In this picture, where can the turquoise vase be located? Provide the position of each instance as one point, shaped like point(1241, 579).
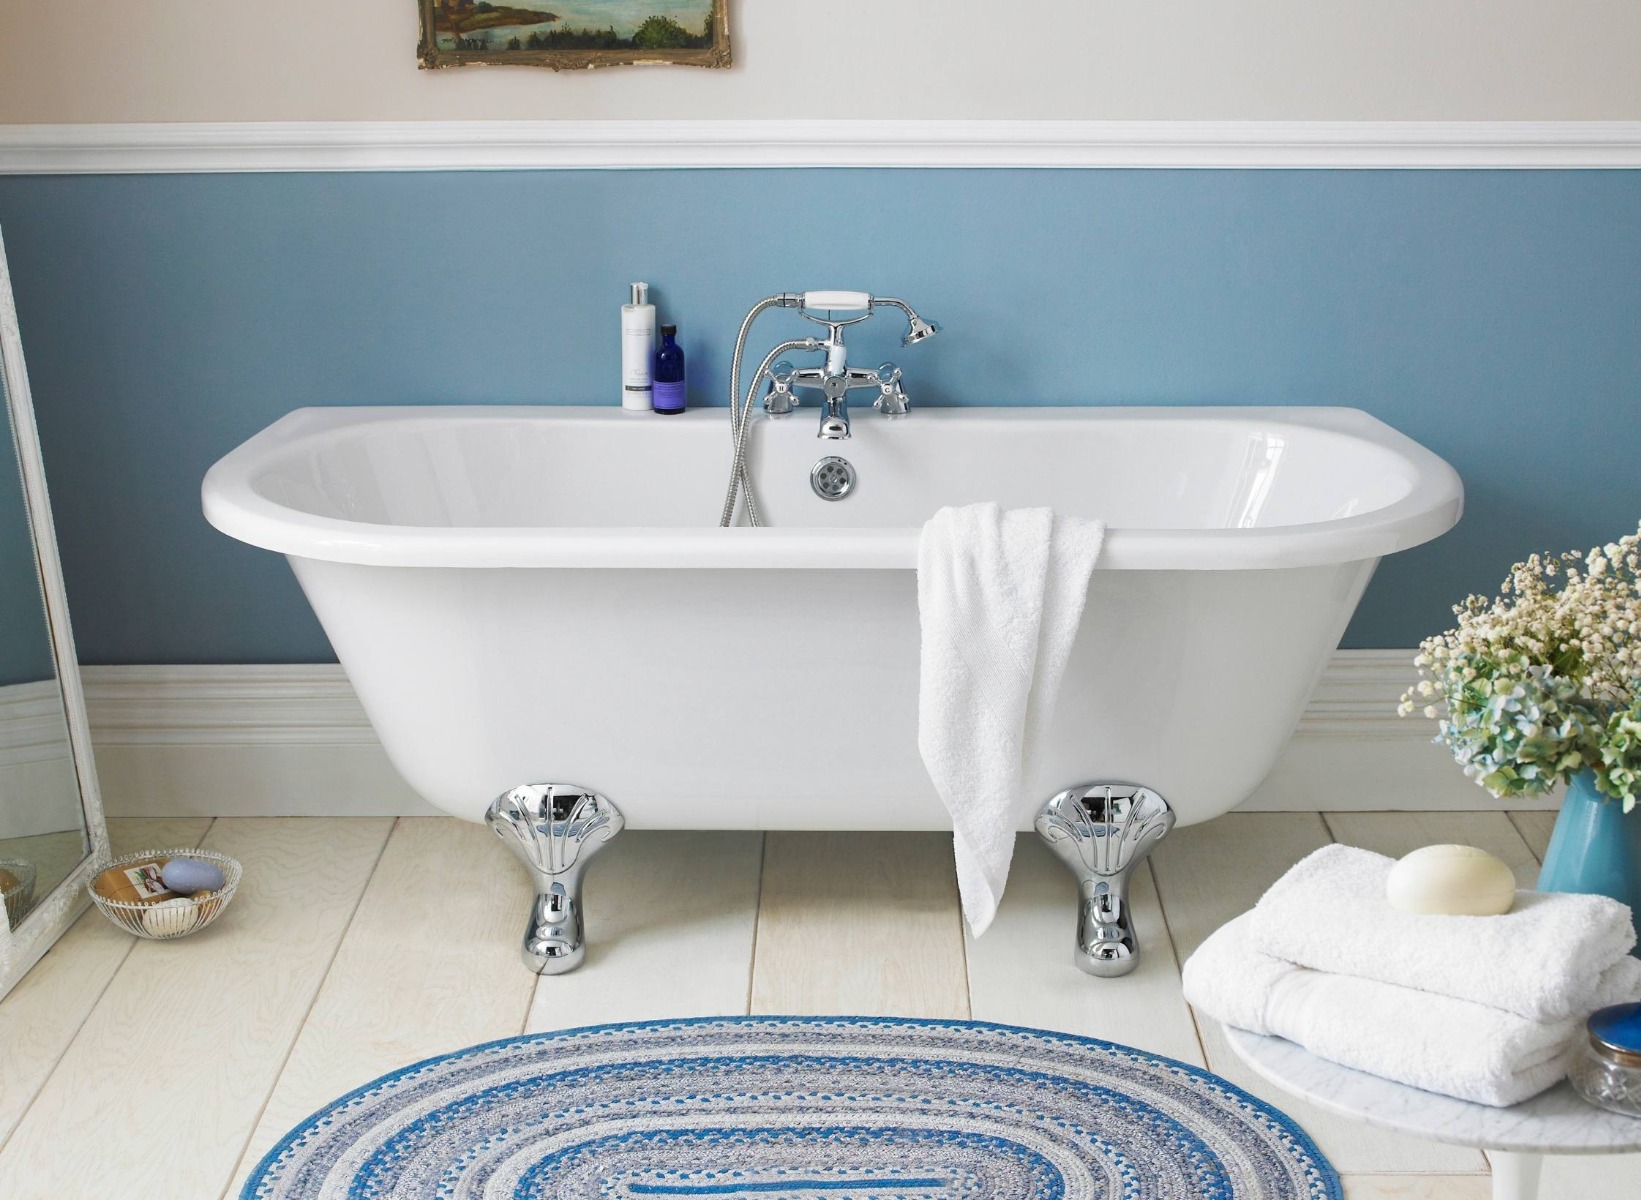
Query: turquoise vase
point(1596, 846)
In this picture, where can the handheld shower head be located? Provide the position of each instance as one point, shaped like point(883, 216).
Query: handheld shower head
point(917, 329)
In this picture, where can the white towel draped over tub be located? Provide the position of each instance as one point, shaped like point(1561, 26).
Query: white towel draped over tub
point(999, 595)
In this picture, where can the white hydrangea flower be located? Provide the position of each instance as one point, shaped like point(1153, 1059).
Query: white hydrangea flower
point(1544, 680)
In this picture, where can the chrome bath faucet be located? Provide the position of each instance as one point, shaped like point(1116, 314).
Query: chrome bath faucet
point(834, 389)
point(834, 379)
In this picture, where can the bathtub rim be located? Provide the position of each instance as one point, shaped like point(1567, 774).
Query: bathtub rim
point(232, 505)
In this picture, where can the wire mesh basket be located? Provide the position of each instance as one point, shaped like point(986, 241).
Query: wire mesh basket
point(163, 915)
point(17, 886)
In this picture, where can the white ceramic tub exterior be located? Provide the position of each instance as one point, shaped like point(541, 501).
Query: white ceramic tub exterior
point(542, 594)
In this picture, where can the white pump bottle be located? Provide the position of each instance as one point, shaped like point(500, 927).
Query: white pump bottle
point(637, 351)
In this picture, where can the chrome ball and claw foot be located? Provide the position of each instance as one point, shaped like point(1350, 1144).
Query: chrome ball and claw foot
point(1102, 831)
point(555, 829)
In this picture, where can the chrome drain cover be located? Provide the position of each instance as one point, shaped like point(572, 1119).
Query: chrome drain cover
point(832, 477)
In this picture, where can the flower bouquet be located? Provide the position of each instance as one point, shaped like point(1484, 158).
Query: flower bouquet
point(1542, 682)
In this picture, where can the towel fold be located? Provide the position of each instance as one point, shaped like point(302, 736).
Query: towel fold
point(1553, 957)
point(1454, 1047)
point(999, 596)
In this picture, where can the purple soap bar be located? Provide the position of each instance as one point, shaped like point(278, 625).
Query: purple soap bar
point(189, 875)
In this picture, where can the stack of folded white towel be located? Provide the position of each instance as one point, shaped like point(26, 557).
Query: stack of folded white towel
point(1487, 1009)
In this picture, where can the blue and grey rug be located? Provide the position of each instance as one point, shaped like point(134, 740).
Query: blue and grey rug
point(797, 1108)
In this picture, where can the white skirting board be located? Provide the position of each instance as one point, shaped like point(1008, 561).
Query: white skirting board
point(293, 741)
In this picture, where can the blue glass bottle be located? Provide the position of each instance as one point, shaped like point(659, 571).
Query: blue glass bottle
point(669, 373)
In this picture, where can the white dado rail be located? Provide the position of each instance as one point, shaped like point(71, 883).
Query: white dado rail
point(294, 741)
point(605, 145)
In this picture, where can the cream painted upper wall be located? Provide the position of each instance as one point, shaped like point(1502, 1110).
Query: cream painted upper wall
point(161, 60)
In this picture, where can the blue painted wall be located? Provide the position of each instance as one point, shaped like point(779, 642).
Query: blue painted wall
point(1495, 316)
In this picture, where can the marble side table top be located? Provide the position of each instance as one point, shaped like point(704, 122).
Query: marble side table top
point(1553, 1122)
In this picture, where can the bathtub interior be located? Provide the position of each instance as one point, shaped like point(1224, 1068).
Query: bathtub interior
point(522, 470)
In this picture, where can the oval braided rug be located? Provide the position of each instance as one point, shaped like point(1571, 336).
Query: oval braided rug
point(797, 1108)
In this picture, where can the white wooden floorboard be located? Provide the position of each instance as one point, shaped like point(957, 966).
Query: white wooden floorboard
point(670, 921)
point(1207, 874)
point(162, 1085)
point(1423, 1187)
point(1535, 829)
point(429, 964)
point(197, 1030)
point(1398, 833)
point(1032, 939)
point(44, 1012)
point(860, 923)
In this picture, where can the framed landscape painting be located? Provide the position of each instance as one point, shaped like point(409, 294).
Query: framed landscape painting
point(574, 33)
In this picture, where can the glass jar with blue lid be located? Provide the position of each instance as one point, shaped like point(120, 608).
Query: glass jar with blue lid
point(1607, 1071)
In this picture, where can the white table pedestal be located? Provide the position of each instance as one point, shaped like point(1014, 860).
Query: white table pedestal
point(1515, 1174)
point(1516, 1139)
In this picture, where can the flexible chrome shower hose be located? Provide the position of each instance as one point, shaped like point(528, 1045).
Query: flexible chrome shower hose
point(738, 473)
point(740, 409)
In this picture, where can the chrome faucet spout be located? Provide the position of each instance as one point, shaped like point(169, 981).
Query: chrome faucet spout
point(834, 423)
point(834, 419)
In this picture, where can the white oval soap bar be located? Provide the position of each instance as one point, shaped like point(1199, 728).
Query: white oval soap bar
point(170, 918)
point(1458, 881)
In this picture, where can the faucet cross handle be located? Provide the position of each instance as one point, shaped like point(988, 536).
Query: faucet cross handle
point(780, 400)
point(891, 401)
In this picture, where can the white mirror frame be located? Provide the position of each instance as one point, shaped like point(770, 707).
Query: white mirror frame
point(59, 908)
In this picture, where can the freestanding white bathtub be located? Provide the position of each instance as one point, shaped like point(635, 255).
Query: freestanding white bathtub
point(527, 594)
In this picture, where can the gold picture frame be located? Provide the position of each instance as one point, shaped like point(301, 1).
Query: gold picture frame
point(459, 33)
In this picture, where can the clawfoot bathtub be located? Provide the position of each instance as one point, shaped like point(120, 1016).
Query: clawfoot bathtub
point(531, 594)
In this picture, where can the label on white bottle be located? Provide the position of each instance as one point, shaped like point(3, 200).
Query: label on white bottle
point(637, 345)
